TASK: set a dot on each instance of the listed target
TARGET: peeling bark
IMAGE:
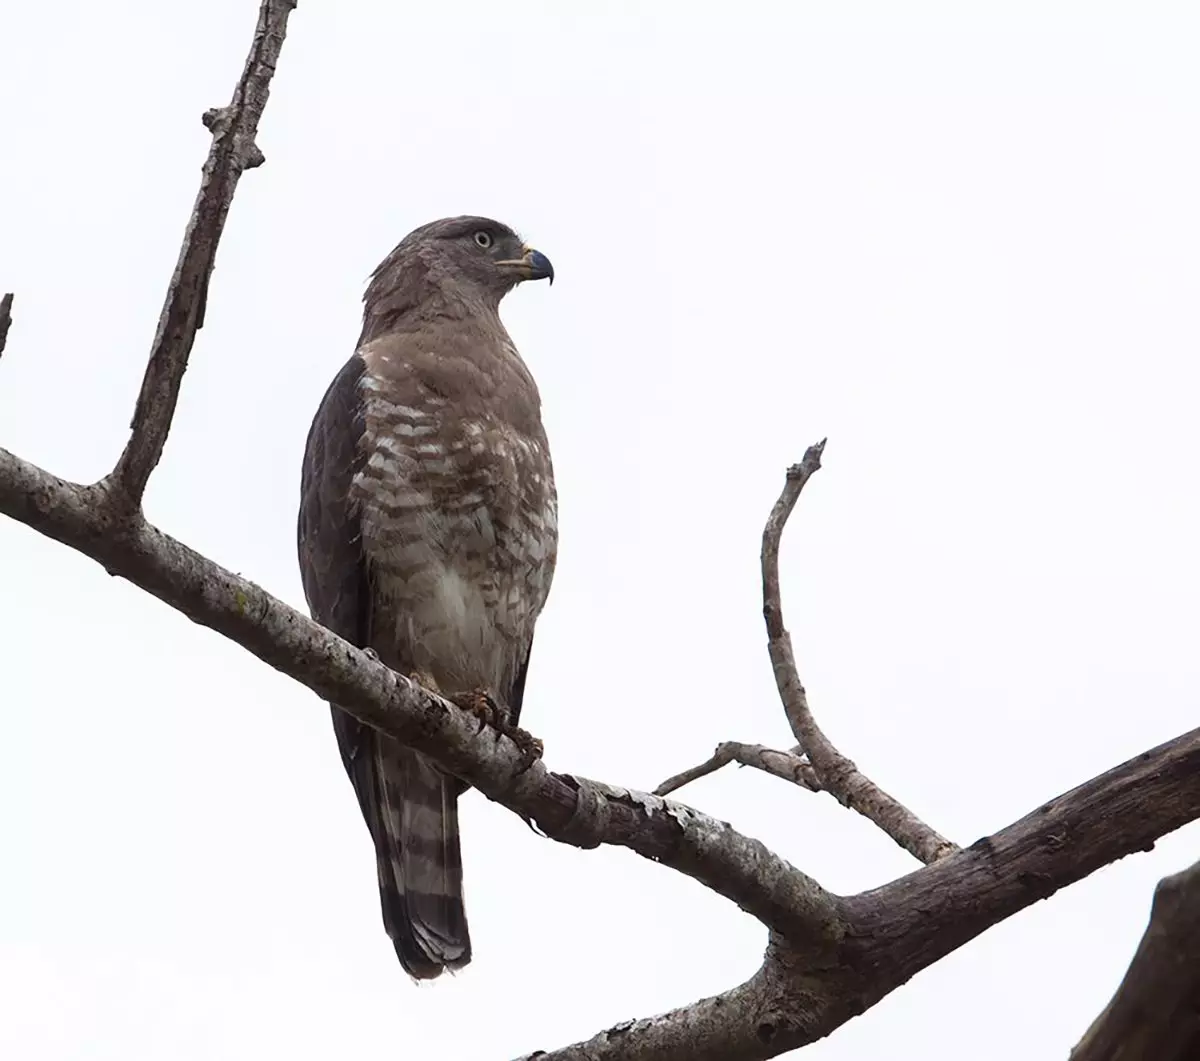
(829, 957)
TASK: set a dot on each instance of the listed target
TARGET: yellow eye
(484, 239)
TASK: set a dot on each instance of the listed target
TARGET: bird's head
(474, 257)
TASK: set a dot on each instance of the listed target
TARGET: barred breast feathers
(459, 513)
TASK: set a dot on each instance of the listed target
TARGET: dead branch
(1155, 1014)
(5, 319)
(790, 766)
(837, 775)
(233, 150)
(829, 957)
(895, 931)
(567, 808)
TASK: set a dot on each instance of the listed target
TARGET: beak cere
(532, 265)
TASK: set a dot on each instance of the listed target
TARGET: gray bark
(829, 957)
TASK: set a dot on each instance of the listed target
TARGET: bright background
(960, 240)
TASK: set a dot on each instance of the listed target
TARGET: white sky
(961, 241)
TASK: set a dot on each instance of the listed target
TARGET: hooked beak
(532, 265)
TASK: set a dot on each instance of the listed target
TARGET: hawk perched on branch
(428, 531)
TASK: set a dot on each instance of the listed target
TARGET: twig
(569, 809)
(790, 766)
(233, 150)
(837, 955)
(5, 319)
(836, 774)
(833, 957)
(830, 957)
(903, 927)
(1154, 1014)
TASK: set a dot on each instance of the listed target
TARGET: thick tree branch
(829, 957)
(1123, 811)
(789, 766)
(233, 150)
(567, 808)
(5, 319)
(833, 957)
(895, 931)
(1155, 1014)
(837, 775)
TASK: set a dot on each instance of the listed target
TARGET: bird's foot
(532, 749)
(490, 712)
(481, 704)
(426, 681)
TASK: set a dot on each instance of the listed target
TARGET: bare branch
(570, 809)
(1123, 811)
(1154, 1014)
(837, 775)
(790, 766)
(832, 958)
(829, 957)
(713, 1029)
(5, 319)
(894, 932)
(233, 150)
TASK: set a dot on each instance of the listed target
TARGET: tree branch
(894, 932)
(573, 810)
(829, 957)
(233, 150)
(5, 319)
(790, 766)
(1123, 811)
(1155, 1014)
(836, 774)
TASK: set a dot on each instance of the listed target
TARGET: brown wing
(329, 544)
(402, 797)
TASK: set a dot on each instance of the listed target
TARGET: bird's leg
(483, 705)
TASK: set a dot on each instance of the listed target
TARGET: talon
(490, 712)
(531, 748)
(481, 704)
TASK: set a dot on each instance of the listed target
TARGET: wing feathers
(408, 805)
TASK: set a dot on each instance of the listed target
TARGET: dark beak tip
(540, 264)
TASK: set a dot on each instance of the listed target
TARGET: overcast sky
(960, 240)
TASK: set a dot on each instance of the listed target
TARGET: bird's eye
(484, 239)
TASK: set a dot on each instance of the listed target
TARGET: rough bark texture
(830, 957)
(1155, 1014)
(789, 766)
(233, 151)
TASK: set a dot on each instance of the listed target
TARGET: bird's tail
(420, 863)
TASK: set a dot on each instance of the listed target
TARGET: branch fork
(814, 764)
(829, 957)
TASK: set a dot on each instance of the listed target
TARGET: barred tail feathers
(420, 862)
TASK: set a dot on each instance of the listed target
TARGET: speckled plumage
(428, 532)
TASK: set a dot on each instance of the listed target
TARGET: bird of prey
(428, 532)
